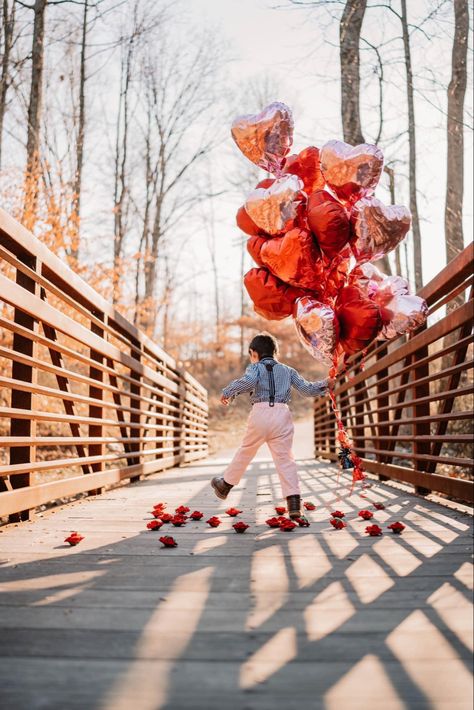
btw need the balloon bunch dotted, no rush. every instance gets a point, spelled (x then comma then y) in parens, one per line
(314, 228)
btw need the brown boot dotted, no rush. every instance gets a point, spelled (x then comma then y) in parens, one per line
(294, 506)
(221, 487)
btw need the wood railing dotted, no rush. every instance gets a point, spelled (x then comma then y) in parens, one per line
(408, 403)
(86, 399)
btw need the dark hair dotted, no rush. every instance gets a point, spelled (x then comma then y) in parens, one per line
(265, 345)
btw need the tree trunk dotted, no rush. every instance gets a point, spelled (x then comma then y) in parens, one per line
(417, 257)
(349, 36)
(8, 23)
(30, 204)
(455, 159)
(80, 140)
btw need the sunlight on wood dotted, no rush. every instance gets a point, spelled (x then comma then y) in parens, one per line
(367, 685)
(394, 554)
(420, 542)
(452, 522)
(465, 574)
(431, 662)
(439, 531)
(456, 612)
(269, 583)
(60, 595)
(171, 626)
(368, 579)
(329, 610)
(270, 658)
(50, 581)
(209, 544)
(309, 560)
(340, 542)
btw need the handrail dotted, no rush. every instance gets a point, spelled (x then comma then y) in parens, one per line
(86, 398)
(408, 402)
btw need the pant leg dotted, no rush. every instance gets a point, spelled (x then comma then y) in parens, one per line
(280, 442)
(254, 437)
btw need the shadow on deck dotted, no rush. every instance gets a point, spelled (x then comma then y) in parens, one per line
(316, 618)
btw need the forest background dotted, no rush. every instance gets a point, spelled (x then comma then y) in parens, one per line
(115, 147)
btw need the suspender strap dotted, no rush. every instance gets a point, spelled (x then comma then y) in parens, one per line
(272, 383)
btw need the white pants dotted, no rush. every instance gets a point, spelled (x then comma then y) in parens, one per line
(273, 426)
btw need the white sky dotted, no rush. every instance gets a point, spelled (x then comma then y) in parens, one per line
(299, 52)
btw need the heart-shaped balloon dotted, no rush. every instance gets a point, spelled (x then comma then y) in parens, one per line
(272, 298)
(337, 270)
(374, 284)
(246, 224)
(295, 259)
(265, 138)
(351, 171)
(359, 319)
(273, 208)
(377, 228)
(254, 248)
(403, 314)
(328, 221)
(306, 166)
(316, 326)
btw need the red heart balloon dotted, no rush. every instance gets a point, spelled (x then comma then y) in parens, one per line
(275, 207)
(377, 228)
(306, 166)
(317, 327)
(246, 224)
(272, 298)
(295, 259)
(403, 314)
(359, 319)
(265, 138)
(254, 248)
(329, 222)
(351, 171)
(337, 271)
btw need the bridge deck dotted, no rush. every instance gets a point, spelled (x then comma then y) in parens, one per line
(308, 619)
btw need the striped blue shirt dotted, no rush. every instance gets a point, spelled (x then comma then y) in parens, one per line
(257, 381)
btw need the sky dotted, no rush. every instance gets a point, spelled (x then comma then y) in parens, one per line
(298, 51)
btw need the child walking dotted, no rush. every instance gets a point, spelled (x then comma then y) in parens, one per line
(269, 383)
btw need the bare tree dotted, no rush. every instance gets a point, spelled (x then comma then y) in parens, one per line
(349, 42)
(416, 231)
(455, 137)
(8, 25)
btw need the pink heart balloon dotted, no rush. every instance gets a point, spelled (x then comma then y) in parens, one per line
(377, 228)
(265, 138)
(316, 326)
(403, 314)
(351, 171)
(272, 208)
(374, 284)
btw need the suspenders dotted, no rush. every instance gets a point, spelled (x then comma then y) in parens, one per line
(271, 377)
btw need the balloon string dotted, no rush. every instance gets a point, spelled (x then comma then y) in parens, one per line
(342, 436)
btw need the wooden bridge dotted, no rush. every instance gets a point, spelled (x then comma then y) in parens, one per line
(316, 618)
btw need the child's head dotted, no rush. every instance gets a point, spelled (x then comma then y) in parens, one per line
(263, 345)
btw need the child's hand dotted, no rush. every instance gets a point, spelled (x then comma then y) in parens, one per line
(225, 401)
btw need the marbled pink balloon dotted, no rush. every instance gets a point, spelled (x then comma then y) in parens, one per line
(403, 314)
(316, 326)
(351, 171)
(377, 228)
(265, 138)
(273, 208)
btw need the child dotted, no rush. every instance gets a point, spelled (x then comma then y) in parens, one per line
(269, 383)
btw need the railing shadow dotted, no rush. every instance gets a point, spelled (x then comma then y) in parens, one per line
(315, 617)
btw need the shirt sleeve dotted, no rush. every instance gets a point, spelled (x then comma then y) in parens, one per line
(243, 384)
(310, 389)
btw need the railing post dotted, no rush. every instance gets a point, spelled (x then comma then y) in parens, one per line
(135, 403)
(96, 411)
(383, 400)
(182, 424)
(359, 432)
(20, 399)
(421, 428)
